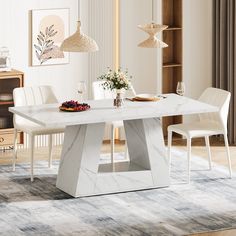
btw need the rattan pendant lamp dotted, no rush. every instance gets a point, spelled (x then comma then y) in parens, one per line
(79, 42)
(152, 29)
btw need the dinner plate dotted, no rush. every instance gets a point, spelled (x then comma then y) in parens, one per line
(146, 97)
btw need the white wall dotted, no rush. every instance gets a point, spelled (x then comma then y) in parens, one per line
(141, 62)
(14, 33)
(101, 27)
(197, 46)
(197, 41)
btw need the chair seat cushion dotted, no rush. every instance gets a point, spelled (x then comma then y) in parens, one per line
(197, 129)
(35, 129)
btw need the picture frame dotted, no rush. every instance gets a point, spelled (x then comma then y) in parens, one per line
(49, 29)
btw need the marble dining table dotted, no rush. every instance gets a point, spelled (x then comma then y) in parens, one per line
(80, 173)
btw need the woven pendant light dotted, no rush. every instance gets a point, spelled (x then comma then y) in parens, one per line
(79, 42)
(152, 29)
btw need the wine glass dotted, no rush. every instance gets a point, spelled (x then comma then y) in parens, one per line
(81, 89)
(180, 89)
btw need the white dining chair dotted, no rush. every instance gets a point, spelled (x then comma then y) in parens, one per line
(207, 125)
(30, 96)
(100, 93)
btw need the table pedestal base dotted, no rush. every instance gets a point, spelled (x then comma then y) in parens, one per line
(81, 175)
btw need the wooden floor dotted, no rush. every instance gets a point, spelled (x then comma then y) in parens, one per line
(218, 156)
(217, 149)
(231, 232)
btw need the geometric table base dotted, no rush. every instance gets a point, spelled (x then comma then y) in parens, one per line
(81, 175)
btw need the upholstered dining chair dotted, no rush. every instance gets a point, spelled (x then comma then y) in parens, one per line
(30, 96)
(207, 125)
(100, 93)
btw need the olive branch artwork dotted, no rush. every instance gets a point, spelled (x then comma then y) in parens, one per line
(45, 44)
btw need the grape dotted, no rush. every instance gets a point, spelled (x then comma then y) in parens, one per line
(75, 105)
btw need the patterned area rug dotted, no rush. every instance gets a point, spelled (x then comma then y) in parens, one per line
(39, 208)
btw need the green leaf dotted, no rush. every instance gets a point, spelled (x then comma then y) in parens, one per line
(37, 48)
(50, 44)
(37, 55)
(42, 34)
(50, 27)
(53, 34)
(41, 37)
(47, 50)
(46, 59)
(48, 41)
(39, 41)
(46, 31)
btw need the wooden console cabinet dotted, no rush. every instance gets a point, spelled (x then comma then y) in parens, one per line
(8, 81)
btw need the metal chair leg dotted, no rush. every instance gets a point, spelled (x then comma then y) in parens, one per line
(14, 151)
(208, 151)
(169, 149)
(189, 157)
(228, 154)
(50, 151)
(112, 143)
(32, 157)
(126, 151)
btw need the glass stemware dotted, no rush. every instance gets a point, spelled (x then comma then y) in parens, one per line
(81, 89)
(180, 89)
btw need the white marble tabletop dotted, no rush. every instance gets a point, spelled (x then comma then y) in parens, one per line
(104, 111)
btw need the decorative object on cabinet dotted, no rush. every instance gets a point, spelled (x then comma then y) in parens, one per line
(8, 81)
(172, 56)
(152, 29)
(49, 28)
(6, 97)
(79, 42)
(5, 61)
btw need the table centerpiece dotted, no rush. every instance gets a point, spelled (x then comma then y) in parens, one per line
(116, 80)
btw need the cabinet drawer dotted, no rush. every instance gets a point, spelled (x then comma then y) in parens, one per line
(7, 139)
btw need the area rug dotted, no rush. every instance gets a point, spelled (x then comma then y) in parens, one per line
(39, 208)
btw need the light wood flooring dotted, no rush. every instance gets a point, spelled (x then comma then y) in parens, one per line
(218, 156)
(229, 232)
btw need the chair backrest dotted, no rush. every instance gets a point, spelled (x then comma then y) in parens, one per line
(100, 93)
(29, 96)
(219, 98)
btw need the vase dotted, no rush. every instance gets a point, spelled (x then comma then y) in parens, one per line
(118, 101)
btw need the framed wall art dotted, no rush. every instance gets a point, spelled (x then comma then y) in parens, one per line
(49, 28)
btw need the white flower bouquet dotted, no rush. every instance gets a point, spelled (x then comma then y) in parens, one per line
(116, 80)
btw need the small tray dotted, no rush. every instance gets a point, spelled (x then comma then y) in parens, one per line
(71, 109)
(146, 97)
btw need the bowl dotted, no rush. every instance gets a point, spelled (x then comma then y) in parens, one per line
(6, 97)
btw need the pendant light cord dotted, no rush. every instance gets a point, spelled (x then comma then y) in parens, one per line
(78, 10)
(152, 12)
